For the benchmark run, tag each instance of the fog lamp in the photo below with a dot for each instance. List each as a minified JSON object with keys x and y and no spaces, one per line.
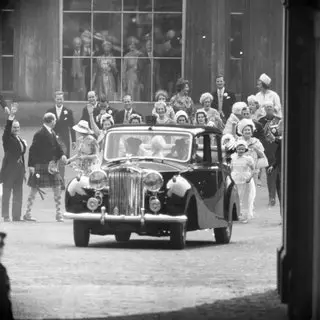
{"x":153,"y":181}
{"x":154,"y":204}
{"x":98,"y":179}
{"x":93,"y":204}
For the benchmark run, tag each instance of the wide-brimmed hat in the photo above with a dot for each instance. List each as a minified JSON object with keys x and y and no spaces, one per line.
{"x":82,"y":127}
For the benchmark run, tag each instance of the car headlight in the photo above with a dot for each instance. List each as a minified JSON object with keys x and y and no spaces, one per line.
{"x":98,"y":179}
{"x":153,"y":181}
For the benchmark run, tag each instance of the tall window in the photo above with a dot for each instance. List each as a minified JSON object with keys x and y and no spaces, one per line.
{"x":236,"y":52}
{"x":6,"y":49}
{"x":119,"y":47}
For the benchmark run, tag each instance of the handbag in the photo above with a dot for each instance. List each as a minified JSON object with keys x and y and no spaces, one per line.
{"x":262,"y":163}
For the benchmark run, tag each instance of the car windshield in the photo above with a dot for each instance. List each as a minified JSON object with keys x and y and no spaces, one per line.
{"x":148,"y":144}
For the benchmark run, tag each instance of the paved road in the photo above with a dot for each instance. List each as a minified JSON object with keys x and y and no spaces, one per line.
{"x":53,"y":279}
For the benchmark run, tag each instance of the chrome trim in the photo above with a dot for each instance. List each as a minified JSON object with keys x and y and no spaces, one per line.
{"x":125,"y":190}
{"x":87,"y":216}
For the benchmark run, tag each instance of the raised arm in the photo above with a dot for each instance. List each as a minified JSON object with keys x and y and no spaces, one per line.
{"x":93,"y":123}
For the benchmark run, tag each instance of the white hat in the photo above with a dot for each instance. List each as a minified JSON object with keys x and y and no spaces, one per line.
{"x":82,"y":127}
{"x":238,"y":106}
{"x":244,"y":123}
{"x":181,"y":113}
{"x":265,"y":79}
{"x":241,"y":142}
{"x":268,"y":103}
{"x":252,"y":98}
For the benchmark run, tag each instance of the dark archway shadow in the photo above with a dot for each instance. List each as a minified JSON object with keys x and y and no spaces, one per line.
{"x":260,"y":306}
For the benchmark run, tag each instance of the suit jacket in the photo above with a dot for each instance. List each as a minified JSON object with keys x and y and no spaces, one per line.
{"x":277,"y":159}
{"x":44,"y":148}
{"x":63,"y":128}
{"x":228,"y":101}
{"x":96,"y":112}
{"x":13,"y":152}
{"x":119,"y":118}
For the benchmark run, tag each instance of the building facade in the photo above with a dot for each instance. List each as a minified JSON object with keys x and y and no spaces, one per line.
{"x":137,"y":46}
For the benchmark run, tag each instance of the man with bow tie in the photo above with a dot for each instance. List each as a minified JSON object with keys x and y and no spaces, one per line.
{"x":44,"y":153}
{"x":13,"y":167}
{"x":223,"y":99}
{"x":63,"y":128}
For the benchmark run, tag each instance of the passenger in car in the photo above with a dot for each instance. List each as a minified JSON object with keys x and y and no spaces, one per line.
{"x":158,"y":145}
{"x":179,"y":150}
{"x":133,"y":147}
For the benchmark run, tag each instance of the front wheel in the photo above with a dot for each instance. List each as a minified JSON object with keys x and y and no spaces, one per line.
{"x":223,"y":235}
{"x":178,"y":235}
{"x":122,"y":236}
{"x":81,"y":233}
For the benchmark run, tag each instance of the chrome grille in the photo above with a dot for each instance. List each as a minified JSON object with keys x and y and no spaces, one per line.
{"x":125,"y":192}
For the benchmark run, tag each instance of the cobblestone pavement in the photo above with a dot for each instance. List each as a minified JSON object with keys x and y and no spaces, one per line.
{"x":143,"y":279}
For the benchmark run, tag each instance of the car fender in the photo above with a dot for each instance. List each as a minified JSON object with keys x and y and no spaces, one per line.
{"x":231,"y":198}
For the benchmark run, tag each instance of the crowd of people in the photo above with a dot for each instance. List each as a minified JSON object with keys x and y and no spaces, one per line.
{"x":251,"y":141}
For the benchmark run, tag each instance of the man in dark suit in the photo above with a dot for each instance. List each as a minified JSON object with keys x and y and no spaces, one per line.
{"x":13,"y":167}
{"x":44,"y":153}
{"x":5,"y":302}
{"x":92,"y":100}
{"x":123,"y":115}
{"x":63,"y":128}
{"x":223,"y":99}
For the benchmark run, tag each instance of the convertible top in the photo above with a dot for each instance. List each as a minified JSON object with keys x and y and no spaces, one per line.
{"x":167,"y":127}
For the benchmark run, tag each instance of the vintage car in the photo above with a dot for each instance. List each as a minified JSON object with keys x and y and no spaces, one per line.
{"x":155,"y":181}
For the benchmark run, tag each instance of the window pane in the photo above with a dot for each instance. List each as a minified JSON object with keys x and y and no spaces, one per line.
{"x":76,"y":25}
{"x":137,"y":5}
{"x":106,"y":5}
{"x":106,"y":77}
{"x":145,"y":71}
{"x":7,"y":73}
{"x":77,"y":5}
{"x":7,"y":19}
{"x":168,"y":5}
{"x":167,"y":35}
{"x":236,"y":50}
{"x":107,"y":27}
{"x":138,"y":26}
{"x":76,"y":78}
{"x":236,"y":76}
{"x":169,"y":71}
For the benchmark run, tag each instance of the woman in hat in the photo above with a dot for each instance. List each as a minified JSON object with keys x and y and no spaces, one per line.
{"x":157,"y":146}
{"x":242,"y":172}
{"x":87,"y":150}
{"x":245,"y":129}
{"x":104,"y":79}
{"x":181,"y":117}
{"x":234,"y":118}
{"x":266,"y":94}
{"x":212,"y":114}
{"x":181,"y":100}
{"x":162,"y":113}
{"x":257,"y":111}
{"x":162,"y":95}
{"x":131,"y":78}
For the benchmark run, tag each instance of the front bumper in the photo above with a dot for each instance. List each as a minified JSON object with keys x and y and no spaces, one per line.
{"x":147,"y":217}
